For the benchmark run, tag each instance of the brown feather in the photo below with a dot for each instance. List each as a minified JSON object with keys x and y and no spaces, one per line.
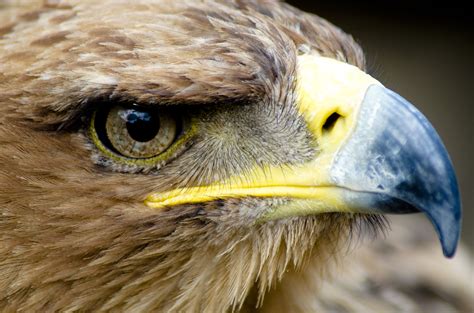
{"x":74,"y":233}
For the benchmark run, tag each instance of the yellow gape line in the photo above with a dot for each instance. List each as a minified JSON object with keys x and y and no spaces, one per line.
{"x":209,"y":193}
{"x":325,"y":87}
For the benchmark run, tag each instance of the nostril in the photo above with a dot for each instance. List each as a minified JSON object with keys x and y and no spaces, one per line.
{"x":331,"y":121}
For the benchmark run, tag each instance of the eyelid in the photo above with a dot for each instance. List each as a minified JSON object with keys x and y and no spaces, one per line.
{"x":189,"y":132}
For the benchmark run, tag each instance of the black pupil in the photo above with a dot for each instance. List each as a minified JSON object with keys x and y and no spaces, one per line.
{"x":142,"y":126}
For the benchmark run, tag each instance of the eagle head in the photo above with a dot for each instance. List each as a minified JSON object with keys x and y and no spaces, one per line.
{"x":186,"y":155}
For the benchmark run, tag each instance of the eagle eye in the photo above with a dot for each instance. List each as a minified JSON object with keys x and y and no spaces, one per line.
{"x":133,"y":133}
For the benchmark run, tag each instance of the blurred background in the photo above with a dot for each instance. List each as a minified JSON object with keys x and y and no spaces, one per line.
{"x":425,"y":52}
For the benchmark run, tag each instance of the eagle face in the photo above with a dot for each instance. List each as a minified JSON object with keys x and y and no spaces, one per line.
{"x":184,"y":156}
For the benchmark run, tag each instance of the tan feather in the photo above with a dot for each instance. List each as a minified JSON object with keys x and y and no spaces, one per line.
{"x":74,"y":233}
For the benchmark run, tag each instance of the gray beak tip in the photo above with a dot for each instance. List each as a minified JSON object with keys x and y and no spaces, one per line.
{"x":447,"y":224}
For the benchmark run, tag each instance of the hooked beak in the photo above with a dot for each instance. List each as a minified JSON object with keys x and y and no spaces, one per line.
{"x":398,"y":162}
{"x":377,"y":154}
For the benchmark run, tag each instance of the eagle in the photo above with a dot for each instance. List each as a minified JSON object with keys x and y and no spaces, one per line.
{"x":213,"y":156}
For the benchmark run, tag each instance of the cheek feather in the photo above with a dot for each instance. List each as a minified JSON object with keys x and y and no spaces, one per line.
{"x":76,"y":182}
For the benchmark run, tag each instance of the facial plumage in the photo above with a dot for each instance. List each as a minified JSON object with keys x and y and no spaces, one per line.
{"x":74,"y":222}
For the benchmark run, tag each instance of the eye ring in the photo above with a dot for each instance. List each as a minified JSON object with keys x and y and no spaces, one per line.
{"x":115,"y":148}
{"x":140,"y":133}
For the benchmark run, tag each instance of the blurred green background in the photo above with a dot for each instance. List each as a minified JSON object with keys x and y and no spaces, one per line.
{"x":424,"y":51}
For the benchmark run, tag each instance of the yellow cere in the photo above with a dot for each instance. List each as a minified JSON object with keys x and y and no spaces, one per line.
{"x":328,"y":86}
{"x":325,"y":86}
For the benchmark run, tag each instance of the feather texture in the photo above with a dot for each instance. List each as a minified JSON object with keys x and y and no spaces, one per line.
{"x":74,"y":233}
